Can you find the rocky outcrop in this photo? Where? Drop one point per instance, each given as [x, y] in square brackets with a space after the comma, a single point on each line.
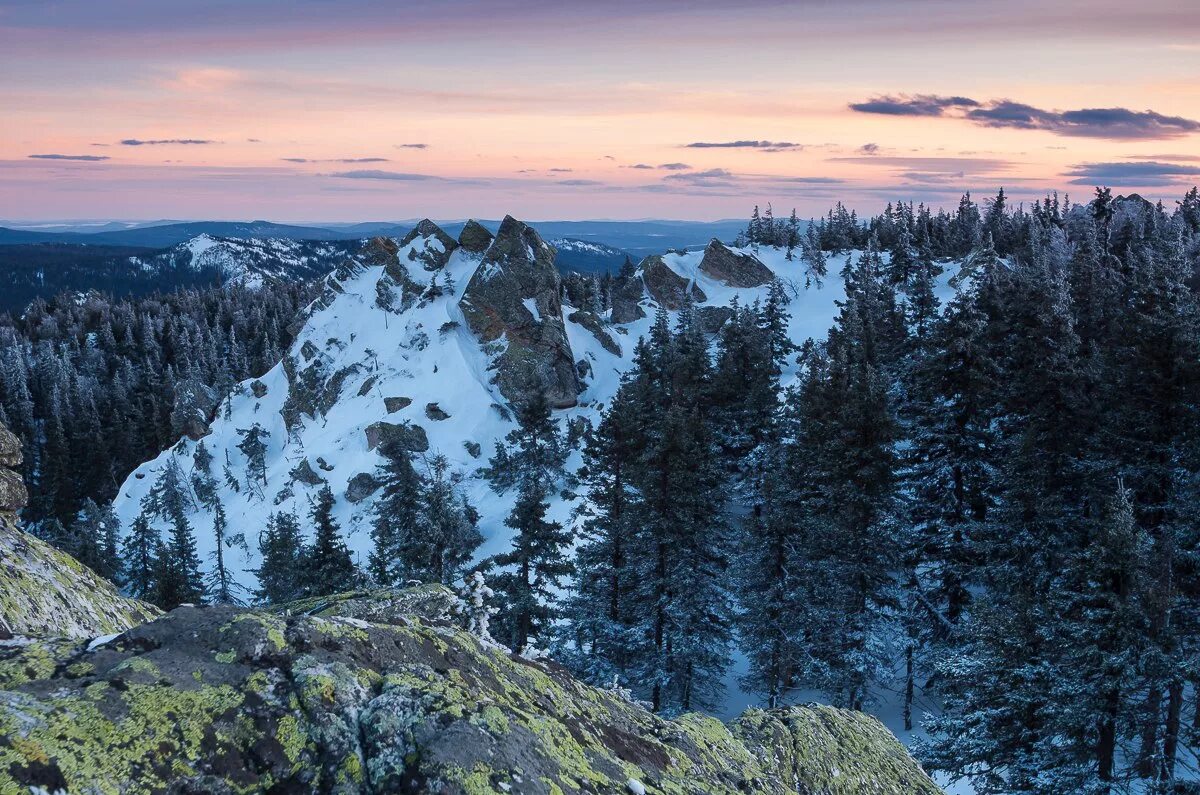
[44, 591]
[474, 237]
[193, 409]
[382, 692]
[394, 404]
[626, 299]
[711, 318]
[733, 268]
[512, 306]
[666, 286]
[589, 321]
[13, 495]
[432, 248]
[361, 486]
[409, 437]
[396, 289]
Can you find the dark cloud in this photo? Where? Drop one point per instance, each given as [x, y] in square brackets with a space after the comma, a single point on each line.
[161, 141]
[915, 105]
[1149, 173]
[1112, 123]
[674, 166]
[412, 146]
[869, 149]
[641, 166]
[88, 158]
[762, 146]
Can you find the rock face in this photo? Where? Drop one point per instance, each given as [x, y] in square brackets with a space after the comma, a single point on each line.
[737, 270]
[193, 408]
[474, 237]
[13, 495]
[592, 323]
[437, 249]
[626, 295]
[513, 301]
[381, 692]
[44, 591]
[666, 286]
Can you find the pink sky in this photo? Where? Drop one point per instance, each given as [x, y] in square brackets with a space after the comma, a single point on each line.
[318, 110]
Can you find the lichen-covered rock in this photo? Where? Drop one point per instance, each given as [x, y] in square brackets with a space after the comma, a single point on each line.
[592, 323]
[666, 286]
[432, 248]
[380, 692]
[193, 408]
[408, 436]
[474, 237]
[512, 306]
[735, 269]
[13, 494]
[45, 592]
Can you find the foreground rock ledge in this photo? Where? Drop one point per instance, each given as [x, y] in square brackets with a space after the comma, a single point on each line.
[381, 692]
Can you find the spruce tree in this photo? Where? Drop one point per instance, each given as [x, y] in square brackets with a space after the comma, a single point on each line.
[329, 567]
[395, 558]
[282, 577]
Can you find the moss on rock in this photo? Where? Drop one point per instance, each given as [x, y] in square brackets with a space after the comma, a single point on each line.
[380, 692]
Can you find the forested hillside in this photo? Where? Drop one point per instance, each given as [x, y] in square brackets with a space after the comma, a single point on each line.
[970, 480]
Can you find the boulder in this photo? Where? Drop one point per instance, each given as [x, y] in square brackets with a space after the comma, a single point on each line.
[733, 268]
[375, 692]
[193, 409]
[626, 296]
[666, 286]
[394, 404]
[408, 436]
[304, 473]
[258, 388]
[361, 486]
[592, 323]
[474, 237]
[711, 318]
[512, 300]
[435, 412]
[428, 245]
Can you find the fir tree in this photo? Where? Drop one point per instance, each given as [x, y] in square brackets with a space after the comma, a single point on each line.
[283, 575]
[328, 565]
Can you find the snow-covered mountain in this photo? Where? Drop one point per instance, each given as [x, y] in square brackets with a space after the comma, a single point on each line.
[250, 261]
[380, 353]
[587, 256]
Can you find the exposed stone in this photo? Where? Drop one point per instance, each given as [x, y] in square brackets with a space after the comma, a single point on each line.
[733, 268]
[626, 296]
[394, 404]
[361, 486]
[193, 408]
[408, 436]
[474, 237]
[592, 323]
[513, 300]
[367, 386]
[396, 290]
[13, 494]
[711, 318]
[381, 692]
[666, 286]
[258, 388]
[434, 412]
[473, 449]
[303, 473]
[430, 245]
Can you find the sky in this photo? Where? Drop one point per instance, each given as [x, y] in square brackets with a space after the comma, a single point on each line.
[357, 110]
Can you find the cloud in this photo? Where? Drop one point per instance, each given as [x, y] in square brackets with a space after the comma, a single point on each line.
[674, 166]
[337, 160]
[1169, 158]
[412, 146]
[914, 105]
[88, 158]
[378, 174]
[711, 178]
[580, 183]
[763, 146]
[1150, 173]
[560, 170]
[943, 165]
[641, 166]
[160, 141]
[869, 149]
[1120, 124]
